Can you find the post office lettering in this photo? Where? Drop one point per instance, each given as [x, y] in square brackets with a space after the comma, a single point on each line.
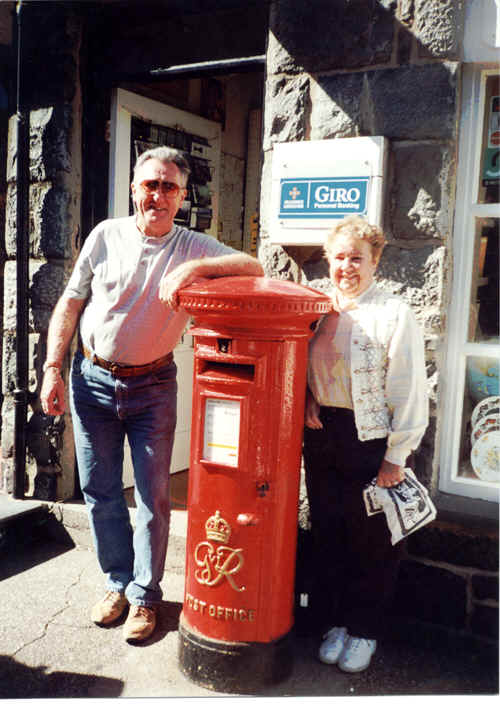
[219, 612]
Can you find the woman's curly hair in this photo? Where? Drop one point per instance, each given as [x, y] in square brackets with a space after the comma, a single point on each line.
[358, 227]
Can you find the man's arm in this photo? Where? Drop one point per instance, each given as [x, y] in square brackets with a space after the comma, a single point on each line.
[238, 264]
[61, 330]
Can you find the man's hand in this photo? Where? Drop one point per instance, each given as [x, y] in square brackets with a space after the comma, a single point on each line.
[179, 278]
[311, 419]
[52, 393]
[390, 474]
[61, 329]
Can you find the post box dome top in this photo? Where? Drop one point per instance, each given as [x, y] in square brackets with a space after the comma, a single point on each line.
[253, 298]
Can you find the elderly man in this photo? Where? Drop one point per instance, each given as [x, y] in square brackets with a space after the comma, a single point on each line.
[123, 291]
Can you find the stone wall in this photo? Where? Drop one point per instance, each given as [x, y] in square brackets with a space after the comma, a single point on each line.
[450, 579]
[7, 13]
[349, 69]
[391, 68]
[54, 195]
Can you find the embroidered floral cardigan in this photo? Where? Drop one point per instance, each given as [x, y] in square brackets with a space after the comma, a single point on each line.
[388, 377]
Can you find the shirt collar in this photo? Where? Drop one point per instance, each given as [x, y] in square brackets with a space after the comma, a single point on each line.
[152, 240]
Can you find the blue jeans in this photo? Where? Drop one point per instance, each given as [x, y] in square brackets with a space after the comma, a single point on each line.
[105, 409]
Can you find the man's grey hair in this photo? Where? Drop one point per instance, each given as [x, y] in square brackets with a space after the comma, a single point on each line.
[167, 155]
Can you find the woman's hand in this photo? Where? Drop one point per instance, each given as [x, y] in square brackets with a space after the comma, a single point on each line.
[390, 474]
[311, 419]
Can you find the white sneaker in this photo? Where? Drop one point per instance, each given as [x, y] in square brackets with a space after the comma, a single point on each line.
[357, 654]
[333, 645]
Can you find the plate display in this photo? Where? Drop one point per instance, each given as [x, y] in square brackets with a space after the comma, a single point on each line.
[485, 456]
[485, 407]
[485, 425]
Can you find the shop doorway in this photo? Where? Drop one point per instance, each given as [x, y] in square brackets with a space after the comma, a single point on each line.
[224, 188]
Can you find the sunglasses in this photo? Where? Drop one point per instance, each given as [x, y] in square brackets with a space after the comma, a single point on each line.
[168, 188]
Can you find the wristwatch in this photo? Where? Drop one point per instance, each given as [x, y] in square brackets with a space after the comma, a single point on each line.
[47, 365]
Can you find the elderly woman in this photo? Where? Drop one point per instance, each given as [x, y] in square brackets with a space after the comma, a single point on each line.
[366, 411]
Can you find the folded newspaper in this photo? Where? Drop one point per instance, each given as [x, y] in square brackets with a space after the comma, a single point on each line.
[407, 506]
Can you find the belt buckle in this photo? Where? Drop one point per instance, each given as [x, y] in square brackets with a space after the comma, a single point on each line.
[114, 368]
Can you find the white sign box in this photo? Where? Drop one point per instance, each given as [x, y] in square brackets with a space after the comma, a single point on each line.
[316, 183]
[221, 436]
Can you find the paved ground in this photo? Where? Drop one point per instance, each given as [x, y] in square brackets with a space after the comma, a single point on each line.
[49, 648]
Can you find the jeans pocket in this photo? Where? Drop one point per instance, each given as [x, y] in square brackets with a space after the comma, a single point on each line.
[164, 375]
[80, 365]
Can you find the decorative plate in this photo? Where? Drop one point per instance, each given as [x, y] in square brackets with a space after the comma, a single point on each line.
[485, 407]
[485, 425]
[485, 456]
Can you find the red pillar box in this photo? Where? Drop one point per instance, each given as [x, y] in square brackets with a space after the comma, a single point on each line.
[251, 337]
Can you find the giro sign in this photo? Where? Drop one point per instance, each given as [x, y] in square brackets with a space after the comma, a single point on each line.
[316, 183]
[323, 198]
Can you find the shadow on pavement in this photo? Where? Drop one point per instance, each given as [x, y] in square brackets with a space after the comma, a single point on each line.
[12, 563]
[403, 665]
[18, 680]
[30, 541]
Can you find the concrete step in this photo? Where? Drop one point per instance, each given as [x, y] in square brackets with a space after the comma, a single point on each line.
[16, 509]
[23, 522]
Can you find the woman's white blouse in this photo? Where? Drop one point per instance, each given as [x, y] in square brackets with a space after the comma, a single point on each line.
[371, 358]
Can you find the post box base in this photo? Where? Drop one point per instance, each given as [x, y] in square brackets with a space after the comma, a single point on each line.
[232, 667]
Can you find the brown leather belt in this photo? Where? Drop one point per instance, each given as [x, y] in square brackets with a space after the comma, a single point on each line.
[124, 370]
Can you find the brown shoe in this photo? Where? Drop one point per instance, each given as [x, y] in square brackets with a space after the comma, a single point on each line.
[109, 609]
[140, 623]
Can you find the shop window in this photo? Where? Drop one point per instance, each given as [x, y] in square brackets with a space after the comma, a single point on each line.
[470, 456]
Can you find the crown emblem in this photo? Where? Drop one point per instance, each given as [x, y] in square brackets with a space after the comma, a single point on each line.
[217, 528]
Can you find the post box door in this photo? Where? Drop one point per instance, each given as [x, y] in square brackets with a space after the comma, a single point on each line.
[237, 551]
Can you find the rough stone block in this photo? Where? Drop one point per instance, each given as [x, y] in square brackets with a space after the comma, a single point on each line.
[277, 263]
[411, 103]
[456, 545]
[324, 35]
[51, 221]
[47, 281]
[8, 428]
[7, 476]
[287, 101]
[407, 103]
[420, 192]
[50, 135]
[484, 621]
[433, 327]
[485, 587]
[46, 285]
[9, 363]
[438, 28]
[414, 274]
[431, 594]
[336, 106]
